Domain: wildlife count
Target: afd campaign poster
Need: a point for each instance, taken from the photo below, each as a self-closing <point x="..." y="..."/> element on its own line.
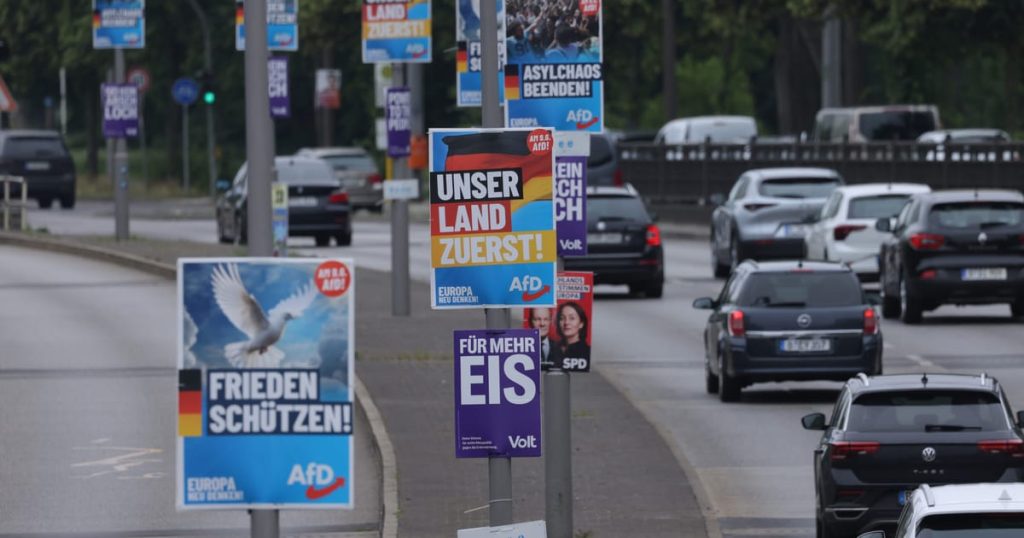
<point x="497" y="393"/>
<point x="396" y="31"/>
<point x="492" y="226"/>
<point x="565" y="329"/>
<point x="265" y="372"/>
<point x="282" y="25"/>
<point x="467" y="52"/>
<point x="118" y="24"/>
<point x="553" y="73"/>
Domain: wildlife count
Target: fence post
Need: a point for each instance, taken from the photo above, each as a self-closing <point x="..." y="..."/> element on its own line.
<point x="704" y="170"/>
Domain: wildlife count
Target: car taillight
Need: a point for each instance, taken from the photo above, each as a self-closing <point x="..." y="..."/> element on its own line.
<point x="870" y="321"/>
<point x="736" y="325"/>
<point x="927" y="241"/>
<point x="653" y="235"/>
<point x="374" y="178"/>
<point x="842" y="450"/>
<point x="928" y="274"/>
<point x="617" y="179"/>
<point x="842" y="231"/>
<point x="1013" y="447"/>
<point x="757" y="207"/>
<point x="338" y="197"/>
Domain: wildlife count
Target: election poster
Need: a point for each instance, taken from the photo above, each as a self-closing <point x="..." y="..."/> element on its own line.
<point x="565" y="329"/>
<point x="265" y="373"/>
<point x="397" y="115"/>
<point x="279" y="217"/>
<point x="118" y="24"/>
<point x="396" y="31"/>
<point x="277" y="80"/>
<point x="328" y="89"/>
<point x="491" y="218"/>
<point x="553" y="73"/>
<point x="282" y="25"/>
<point x="467" y="52"/>
<point x="120" y="110"/>
<point x="497" y="393"/>
<point x="572" y="149"/>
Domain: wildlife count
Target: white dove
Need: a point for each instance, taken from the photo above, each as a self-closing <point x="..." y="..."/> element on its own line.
<point x="263" y="330"/>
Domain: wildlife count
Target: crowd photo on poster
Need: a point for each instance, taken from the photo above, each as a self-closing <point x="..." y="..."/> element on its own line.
<point x="551" y="31"/>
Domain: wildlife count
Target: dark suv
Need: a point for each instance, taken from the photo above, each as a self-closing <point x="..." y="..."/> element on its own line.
<point x="43" y="160"/>
<point x="889" y="434"/>
<point x="953" y="247"/>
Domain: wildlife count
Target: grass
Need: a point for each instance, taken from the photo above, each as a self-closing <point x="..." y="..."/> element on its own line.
<point x="148" y="178"/>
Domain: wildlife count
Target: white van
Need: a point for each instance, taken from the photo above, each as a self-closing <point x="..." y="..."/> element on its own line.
<point x="875" y="123"/>
<point x="718" y="129"/>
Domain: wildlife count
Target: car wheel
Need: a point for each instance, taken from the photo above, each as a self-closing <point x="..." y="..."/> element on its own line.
<point x="878" y="365"/>
<point x="719" y="269"/>
<point x="735" y="254"/>
<point x="710" y="379"/>
<point x="890" y="304"/>
<point x="910" y="305"/>
<point x="322" y="240"/>
<point x="45" y="203"/>
<point x="820" y="530"/>
<point x="240" y="231"/>
<point x="728" y="386"/>
<point x="655" y="289"/>
<point x="344" y="239"/>
<point x="1017" y="309"/>
<point x="221" y="237"/>
<point x="67" y="201"/>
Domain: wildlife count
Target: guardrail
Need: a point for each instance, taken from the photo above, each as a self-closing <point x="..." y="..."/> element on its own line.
<point x="691" y="173"/>
<point x="18" y="208"/>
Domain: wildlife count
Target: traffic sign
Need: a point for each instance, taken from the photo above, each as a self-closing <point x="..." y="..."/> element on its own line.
<point x="139" y="76"/>
<point x="185" y="91"/>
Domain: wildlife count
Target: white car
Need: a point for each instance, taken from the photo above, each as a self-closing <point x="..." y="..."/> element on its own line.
<point x="845" y="229"/>
<point x="962" y="510"/>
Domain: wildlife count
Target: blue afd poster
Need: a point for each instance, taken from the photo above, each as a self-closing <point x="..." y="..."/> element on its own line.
<point x="396" y="31"/>
<point x="118" y="24"/>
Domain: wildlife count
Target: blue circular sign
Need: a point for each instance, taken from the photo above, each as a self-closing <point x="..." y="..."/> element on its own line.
<point x="185" y="91"/>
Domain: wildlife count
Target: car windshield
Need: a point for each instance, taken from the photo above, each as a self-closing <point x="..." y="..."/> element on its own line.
<point x="927" y="411"/>
<point x="304" y="172"/>
<point x="361" y="163"/>
<point x="611" y="208"/>
<point x="985" y="525"/>
<point x="974" y="215"/>
<point x="798" y="187"/>
<point x="896" y="125"/>
<point x="801" y="289"/>
<point x="31" y="147"/>
<point x="877" y="207"/>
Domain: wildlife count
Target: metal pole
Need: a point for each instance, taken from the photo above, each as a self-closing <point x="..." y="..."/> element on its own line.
<point x="184" y="149"/>
<point x="265" y="523"/>
<point x="831" y="60"/>
<point x="399" y="224"/>
<point x="557" y="454"/>
<point x="142" y="138"/>
<point x="668" y="58"/>
<point x="63" y="102"/>
<point x="120" y="165"/>
<point x="211" y="161"/>
<point x="259" y="143"/>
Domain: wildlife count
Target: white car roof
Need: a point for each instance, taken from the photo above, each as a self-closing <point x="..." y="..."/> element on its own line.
<point x="792" y="171"/>
<point x="970" y="498"/>
<point x="883" y="188"/>
<point x="940" y="135"/>
<point x="711" y="119"/>
<point x="323" y="152"/>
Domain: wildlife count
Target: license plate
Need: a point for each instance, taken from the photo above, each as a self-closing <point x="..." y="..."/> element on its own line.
<point x="791" y="230"/>
<point x="302" y="201"/>
<point x="805" y="345"/>
<point x="988" y="273"/>
<point x="37" y="166"/>
<point x="604" y="238"/>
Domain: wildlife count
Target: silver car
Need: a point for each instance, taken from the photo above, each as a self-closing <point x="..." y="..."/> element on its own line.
<point x="767" y="215"/>
<point x="356" y="170"/>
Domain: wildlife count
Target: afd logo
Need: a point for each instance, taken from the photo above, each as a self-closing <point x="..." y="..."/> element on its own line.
<point x="417" y="50"/>
<point x="582" y="117"/>
<point x="531" y="286"/>
<point x="318" y="478"/>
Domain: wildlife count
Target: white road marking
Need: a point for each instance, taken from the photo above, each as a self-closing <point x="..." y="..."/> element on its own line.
<point x="120" y="463"/>
<point x="925" y="363"/>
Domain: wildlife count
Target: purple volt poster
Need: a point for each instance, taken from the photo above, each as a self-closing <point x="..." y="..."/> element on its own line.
<point x="397" y="112"/>
<point x="570" y="205"/>
<point x="277" y="79"/>
<point x="497" y="393"/>
<point x="120" y="110"/>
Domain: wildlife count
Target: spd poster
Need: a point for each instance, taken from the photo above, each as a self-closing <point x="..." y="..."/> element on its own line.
<point x="265" y="366"/>
<point x="565" y="329"/>
<point x="467" y="52"/>
<point x="492" y="223"/>
<point x="396" y="31"/>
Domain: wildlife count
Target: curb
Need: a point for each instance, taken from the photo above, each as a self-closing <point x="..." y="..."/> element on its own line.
<point x="381" y="439"/>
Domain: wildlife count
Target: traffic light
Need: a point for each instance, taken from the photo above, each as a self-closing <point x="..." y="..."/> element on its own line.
<point x="206" y="88"/>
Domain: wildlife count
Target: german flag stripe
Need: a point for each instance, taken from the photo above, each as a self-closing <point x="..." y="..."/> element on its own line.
<point x="190" y="425"/>
<point x="190" y="402"/>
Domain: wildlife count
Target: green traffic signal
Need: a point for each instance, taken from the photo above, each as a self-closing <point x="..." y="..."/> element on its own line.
<point x="209" y="97"/>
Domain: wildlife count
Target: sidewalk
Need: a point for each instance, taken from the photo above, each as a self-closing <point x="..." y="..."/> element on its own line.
<point x="626" y="481"/>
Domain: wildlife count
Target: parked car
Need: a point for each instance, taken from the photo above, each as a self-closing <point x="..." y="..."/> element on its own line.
<point x="961" y="511"/>
<point x="767" y="213"/>
<point x="318" y="206"/>
<point x="788" y="320"/>
<point x="603" y="163"/>
<point x="845" y="230"/>
<point x="890" y="434"/>
<point x="875" y="123"/>
<point x="356" y="170"/>
<point x="623" y="242"/>
<point x="716" y="129"/>
<point x="953" y="247"/>
<point x="961" y="145"/>
<point x="44" y="161"/>
<point x="964" y="136"/>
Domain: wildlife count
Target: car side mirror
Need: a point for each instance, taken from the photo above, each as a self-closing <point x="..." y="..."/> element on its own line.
<point x="222" y="185"/>
<point x="704" y="303"/>
<point x="716" y="199"/>
<point x="1020" y="418"/>
<point x="873" y="534"/>
<point x="873" y="298"/>
<point x="884" y="225"/>
<point x="814" y="421"/>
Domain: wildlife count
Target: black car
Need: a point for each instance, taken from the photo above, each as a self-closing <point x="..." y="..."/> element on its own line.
<point x="317" y="204"/>
<point x="890" y="434"/>
<point x="623" y="242"/>
<point x="953" y="247"/>
<point x="788" y="320"/>
<point x="44" y="161"/>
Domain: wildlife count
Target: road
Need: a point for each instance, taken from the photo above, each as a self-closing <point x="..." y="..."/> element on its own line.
<point x="87" y="381"/>
<point x="750" y="461"/>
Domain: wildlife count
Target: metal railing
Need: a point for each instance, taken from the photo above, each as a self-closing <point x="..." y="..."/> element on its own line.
<point x="18" y="208"/>
<point x="691" y="173"/>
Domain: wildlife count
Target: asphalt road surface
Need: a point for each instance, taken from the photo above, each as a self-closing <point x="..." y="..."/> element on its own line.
<point x="750" y="461"/>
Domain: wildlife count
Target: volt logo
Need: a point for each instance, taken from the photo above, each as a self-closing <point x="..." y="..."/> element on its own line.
<point x="531" y="286"/>
<point x="518" y="441"/>
<point x="318" y="478"/>
<point x="583" y="118"/>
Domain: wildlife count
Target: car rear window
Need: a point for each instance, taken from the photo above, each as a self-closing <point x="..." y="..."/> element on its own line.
<point x="985" y="525"/>
<point x="32" y="147"/>
<point x="304" y="172"/>
<point x="611" y="208"/>
<point x="877" y="207"/>
<point x="601" y="151"/>
<point x="933" y="411"/>
<point x="801" y="289"/>
<point x="722" y="131"/>
<point x="896" y="125"/>
<point x="798" y="187"/>
<point x="362" y="163"/>
<point x="968" y="215"/>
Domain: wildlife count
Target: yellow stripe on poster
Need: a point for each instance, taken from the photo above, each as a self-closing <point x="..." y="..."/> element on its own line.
<point x="190" y="425"/>
<point x="538" y="188"/>
<point x="503" y="248"/>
